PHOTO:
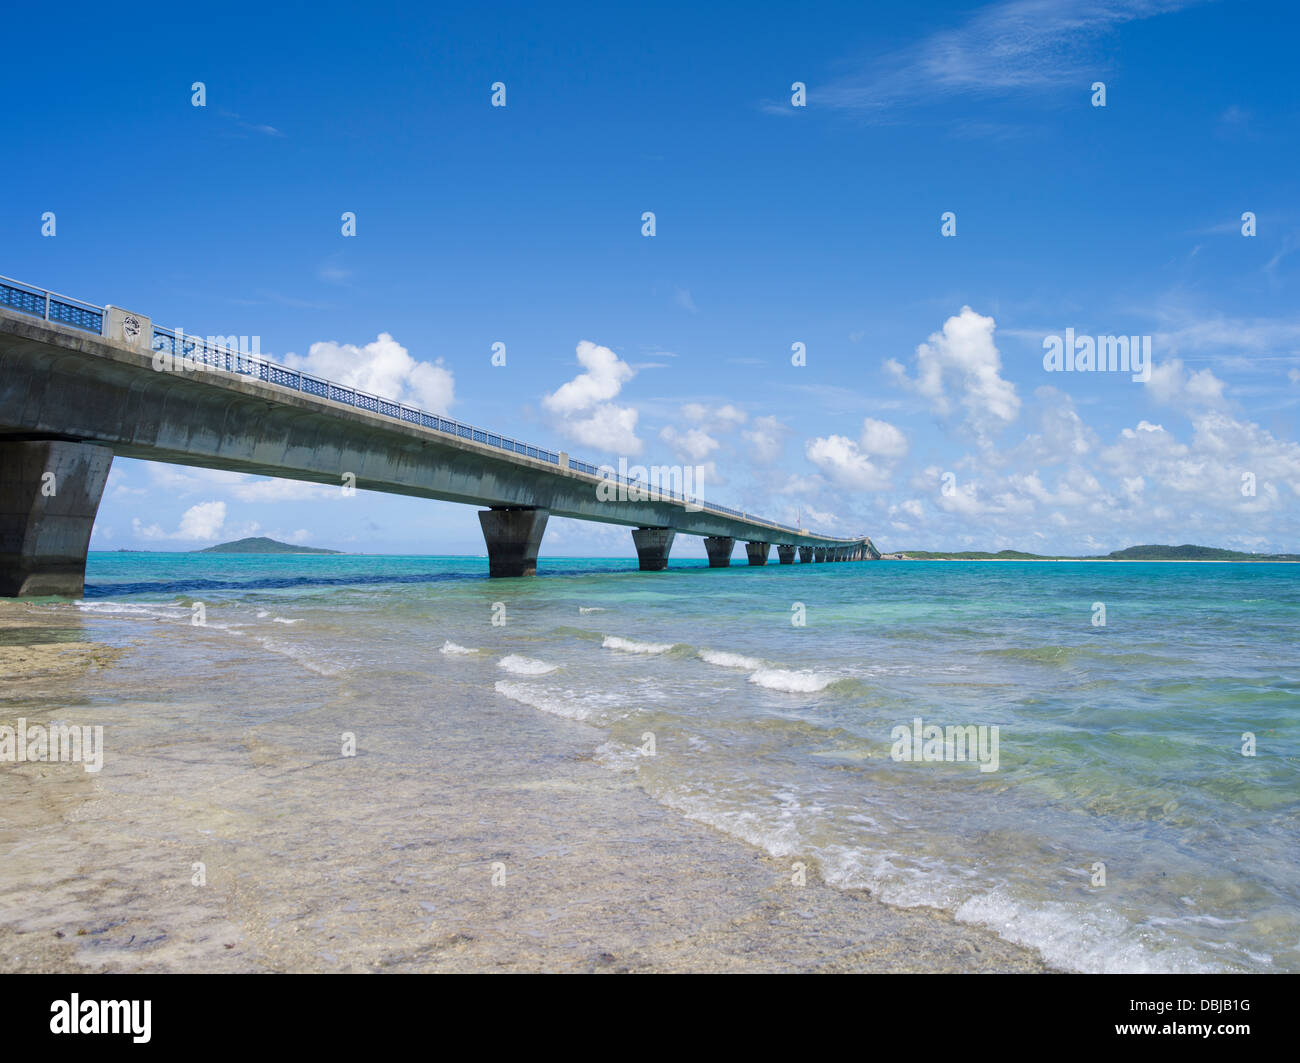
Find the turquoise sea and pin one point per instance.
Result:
(1120, 747)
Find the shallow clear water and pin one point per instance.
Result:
(1118, 745)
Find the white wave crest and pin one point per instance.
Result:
(546, 701)
(792, 682)
(723, 659)
(525, 665)
(629, 646)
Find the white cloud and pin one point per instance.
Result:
(604, 378)
(588, 416)
(880, 439)
(607, 427)
(382, 367)
(1017, 46)
(202, 522)
(962, 359)
(1170, 384)
(766, 440)
(694, 444)
(844, 464)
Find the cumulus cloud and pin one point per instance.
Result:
(202, 523)
(694, 444)
(382, 367)
(766, 440)
(584, 403)
(1172, 385)
(844, 464)
(961, 365)
(863, 464)
(881, 439)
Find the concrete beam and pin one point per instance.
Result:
(785, 554)
(513, 536)
(758, 552)
(49, 494)
(805, 554)
(652, 546)
(719, 548)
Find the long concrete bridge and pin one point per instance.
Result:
(80, 383)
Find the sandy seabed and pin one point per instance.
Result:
(384, 861)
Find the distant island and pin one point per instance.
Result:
(262, 545)
(1186, 552)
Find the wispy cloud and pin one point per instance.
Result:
(1006, 47)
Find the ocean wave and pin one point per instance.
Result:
(564, 704)
(525, 665)
(618, 757)
(724, 659)
(793, 682)
(584, 609)
(629, 646)
(147, 612)
(455, 649)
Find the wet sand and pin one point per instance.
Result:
(384, 861)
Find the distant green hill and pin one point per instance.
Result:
(1186, 552)
(262, 545)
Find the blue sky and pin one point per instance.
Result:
(916, 420)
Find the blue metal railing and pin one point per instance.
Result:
(51, 306)
(194, 350)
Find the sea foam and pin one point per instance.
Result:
(629, 646)
(525, 665)
(792, 682)
(723, 659)
(546, 701)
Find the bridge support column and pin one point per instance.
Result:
(785, 554)
(49, 494)
(719, 548)
(758, 552)
(652, 546)
(513, 535)
(819, 553)
(805, 554)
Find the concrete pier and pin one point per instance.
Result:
(652, 546)
(758, 552)
(719, 548)
(513, 535)
(805, 554)
(785, 554)
(819, 553)
(49, 494)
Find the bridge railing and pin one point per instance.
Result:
(51, 306)
(195, 350)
